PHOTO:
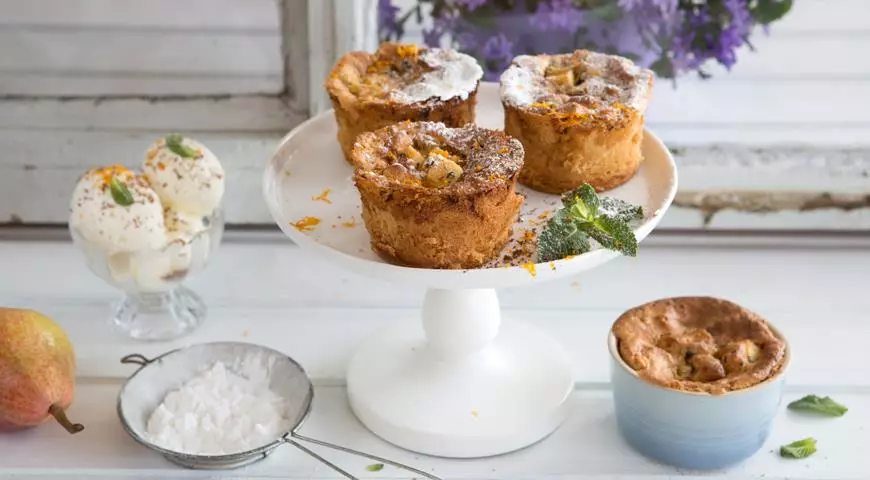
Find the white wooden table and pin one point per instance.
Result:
(263, 289)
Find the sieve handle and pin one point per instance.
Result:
(136, 359)
(322, 460)
(333, 446)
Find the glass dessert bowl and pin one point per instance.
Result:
(155, 305)
(146, 231)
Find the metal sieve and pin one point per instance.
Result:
(143, 392)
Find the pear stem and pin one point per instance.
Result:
(57, 412)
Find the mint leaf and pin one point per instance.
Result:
(375, 467)
(560, 238)
(120, 193)
(823, 405)
(584, 216)
(799, 449)
(174, 142)
(769, 11)
(584, 200)
(619, 209)
(613, 234)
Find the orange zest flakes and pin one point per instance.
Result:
(306, 224)
(530, 267)
(528, 236)
(161, 166)
(544, 215)
(350, 224)
(407, 50)
(106, 173)
(152, 153)
(478, 168)
(569, 257)
(438, 151)
(504, 150)
(545, 105)
(379, 66)
(323, 197)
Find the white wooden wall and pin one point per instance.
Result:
(135, 47)
(84, 82)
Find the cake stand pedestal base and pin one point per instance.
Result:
(464, 385)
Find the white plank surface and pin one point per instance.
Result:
(98, 47)
(216, 115)
(587, 446)
(267, 291)
(125, 14)
(270, 291)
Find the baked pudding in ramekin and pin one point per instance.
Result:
(438, 197)
(401, 82)
(697, 381)
(579, 116)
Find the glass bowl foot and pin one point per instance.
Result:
(159, 316)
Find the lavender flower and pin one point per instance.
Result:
(497, 48)
(670, 36)
(471, 5)
(557, 15)
(663, 6)
(497, 54)
(388, 25)
(735, 34)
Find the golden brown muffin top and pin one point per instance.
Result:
(403, 73)
(583, 87)
(699, 344)
(432, 156)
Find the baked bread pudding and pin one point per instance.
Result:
(401, 82)
(438, 197)
(699, 344)
(579, 117)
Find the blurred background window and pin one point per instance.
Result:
(769, 123)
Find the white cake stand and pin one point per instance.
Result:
(464, 383)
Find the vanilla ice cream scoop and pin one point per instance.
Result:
(116, 209)
(187, 176)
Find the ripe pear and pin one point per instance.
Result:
(37, 371)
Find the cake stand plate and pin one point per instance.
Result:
(461, 383)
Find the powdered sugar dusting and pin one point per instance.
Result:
(611, 79)
(487, 155)
(224, 410)
(454, 74)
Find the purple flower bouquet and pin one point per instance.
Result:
(672, 37)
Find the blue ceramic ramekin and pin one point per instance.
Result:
(693, 430)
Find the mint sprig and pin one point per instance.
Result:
(175, 143)
(561, 237)
(823, 405)
(584, 216)
(120, 193)
(799, 449)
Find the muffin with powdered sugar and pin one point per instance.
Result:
(401, 82)
(438, 197)
(579, 117)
